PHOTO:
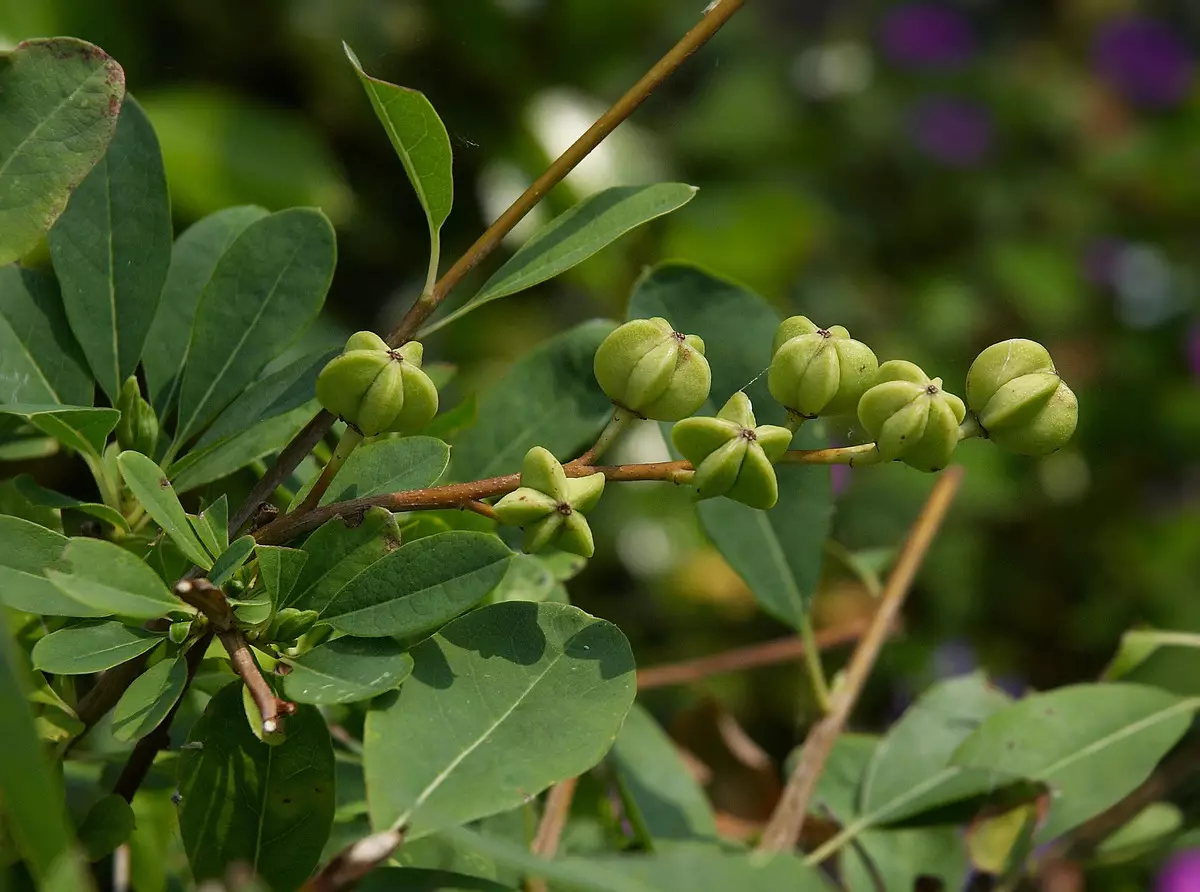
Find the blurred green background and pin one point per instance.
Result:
(935, 176)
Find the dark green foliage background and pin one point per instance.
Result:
(822, 205)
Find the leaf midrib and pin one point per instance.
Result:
(445, 773)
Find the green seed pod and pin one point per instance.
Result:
(1021, 402)
(818, 371)
(178, 632)
(377, 389)
(732, 454)
(138, 427)
(911, 418)
(550, 506)
(652, 370)
(290, 623)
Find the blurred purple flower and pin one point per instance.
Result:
(1181, 873)
(926, 35)
(840, 475)
(954, 658)
(1100, 260)
(1145, 60)
(952, 131)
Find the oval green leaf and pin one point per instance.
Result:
(503, 702)
(265, 290)
(59, 102)
(40, 362)
(337, 553)
(48, 498)
(111, 249)
(270, 807)
(82, 428)
(194, 259)
(228, 562)
(666, 802)
(108, 824)
(778, 552)
(1090, 743)
(573, 237)
(26, 550)
(421, 585)
(91, 647)
(419, 138)
(391, 465)
(106, 577)
(147, 701)
(347, 670)
(151, 487)
(548, 398)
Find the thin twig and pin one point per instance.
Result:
(769, 653)
(138, 765)
(354, 862)
(550, 830)
(288, 460)
(210, 601)
(783, 829)
(454, 495)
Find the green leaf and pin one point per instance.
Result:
(106, 577)
(1090, 743)
(419, 138)
(419, 879)
(91, 646)
(696, 867)
(32, 792)
(337, 553)
(451, 423)
(279, 569)
(229, 455)
(573, 237)
(264, 291)
(228, 562)
(194, 259)
(778, 552)
(390, 465)
(900, 856)
(243, 800)
(666, 802)
(526, 579)
(40, 362)
(108, 824)
(548, 398)
(347, 670)
(26, 549)
(911, 770)
(14, 504)
(503, 702)
(147, 701)
(59, 102)
(1148, 829)
(419, 586)
(80, 427)
(111, 249)
(1138, 645)
(212, 526)
(279, 393)
(39, 495)
(150, 486)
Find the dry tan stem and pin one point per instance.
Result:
(783, 829)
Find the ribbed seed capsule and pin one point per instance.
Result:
(733, 455)
(377, 389)
(650, 369)
(816, 371)
(911, 417)
(1019, 399)
(550, 506)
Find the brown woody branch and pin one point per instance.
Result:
(210, 601)
(783, 829)
(769, 653)
(550, 829)
(353, 863)
(302, 444)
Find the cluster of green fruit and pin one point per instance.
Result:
(1015, 398)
